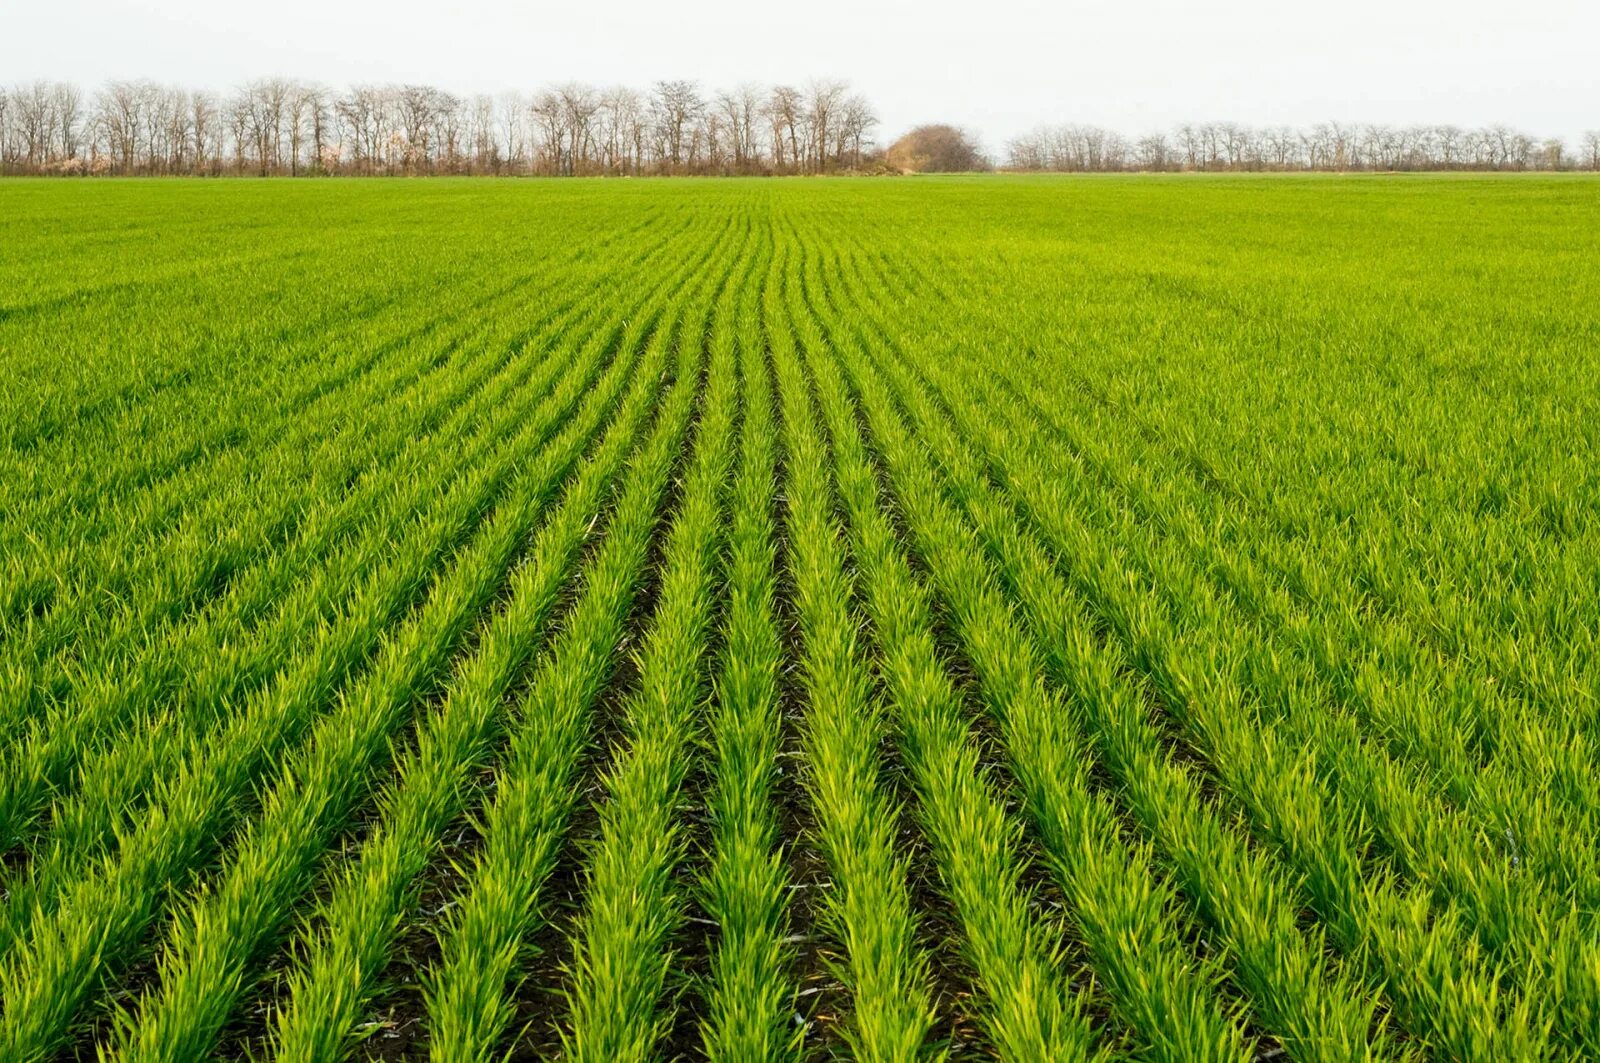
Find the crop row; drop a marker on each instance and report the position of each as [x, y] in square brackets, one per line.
[750, 622]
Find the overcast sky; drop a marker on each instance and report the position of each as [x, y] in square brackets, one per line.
[997, 66]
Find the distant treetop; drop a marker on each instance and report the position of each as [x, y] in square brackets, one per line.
[936, 149]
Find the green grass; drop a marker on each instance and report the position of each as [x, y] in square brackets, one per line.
[1044, 618]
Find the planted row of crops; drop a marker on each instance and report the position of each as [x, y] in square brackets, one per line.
[781, 621]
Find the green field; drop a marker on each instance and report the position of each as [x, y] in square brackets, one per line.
[1042, 619]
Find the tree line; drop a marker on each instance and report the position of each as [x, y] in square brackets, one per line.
[279, 126]
[1326, 146]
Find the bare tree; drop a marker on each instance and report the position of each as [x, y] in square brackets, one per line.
[169, 152]
[449, 132]
[513, 128]
[1190, 143]
[8, 159]
[205, 131]
[480, 135]
[67, 109]
[676, 106]
[297, 108]
[785, 110]
[264, 103]
[414, 116]
[1446, 145]
[550, 121]
[119, 118]
[857, 120]
[739, 112]
[1153, 152]
[823, 98]
[580, 105]
[623, 118]
[236, 116]
[317, 117]
[363, 112]
[1276, 146]
[35, 118]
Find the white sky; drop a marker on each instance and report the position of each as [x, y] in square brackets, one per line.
[998, 67]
